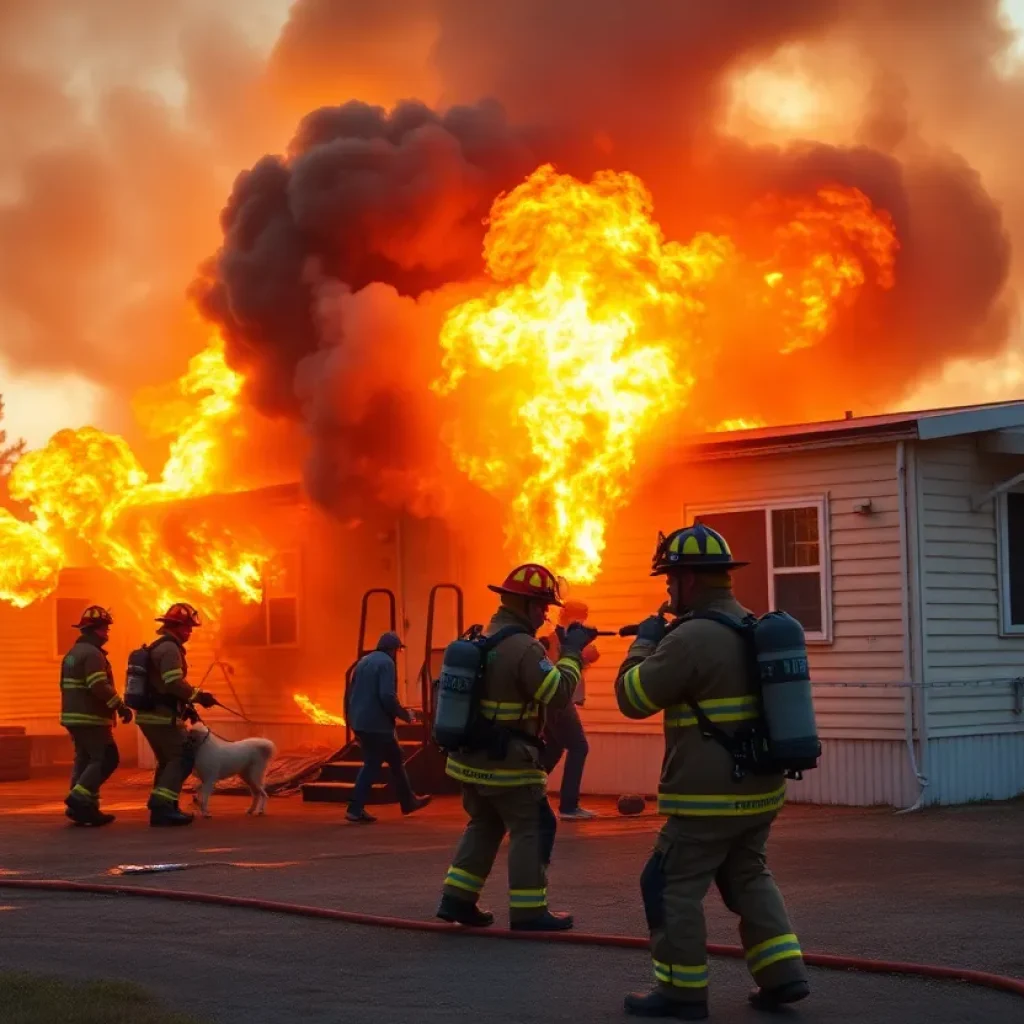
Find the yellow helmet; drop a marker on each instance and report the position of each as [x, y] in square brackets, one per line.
[692, 547]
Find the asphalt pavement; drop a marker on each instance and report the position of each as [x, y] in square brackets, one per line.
[944, 887]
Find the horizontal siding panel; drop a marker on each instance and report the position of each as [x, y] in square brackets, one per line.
[961, 590]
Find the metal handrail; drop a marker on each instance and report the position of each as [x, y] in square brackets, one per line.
[426, 683]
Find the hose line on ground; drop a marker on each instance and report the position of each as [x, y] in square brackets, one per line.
[829, 961]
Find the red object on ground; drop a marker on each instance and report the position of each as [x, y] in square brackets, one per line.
[1000, 982]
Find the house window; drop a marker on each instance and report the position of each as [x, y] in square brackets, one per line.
[1010, 508]
[786, 547]
[68, 612]
[274, 621]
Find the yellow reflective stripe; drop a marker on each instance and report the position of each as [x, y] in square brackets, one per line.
[82, 791]
[463, 880]
[681, 975]
[508, 711]
[782, 947]
[171, 674]
[720, 805]
[527, 899]
[80, 718]
[495, 776]
[154, 717]
[165, 794]
[722, 709]
[549, 687]
[635, 693]
[95, 677]
[73, 684]
[571, 666]
[114, 701]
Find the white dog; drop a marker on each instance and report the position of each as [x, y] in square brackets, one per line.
[218, 759]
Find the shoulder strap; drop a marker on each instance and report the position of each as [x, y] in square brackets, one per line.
[490, 642]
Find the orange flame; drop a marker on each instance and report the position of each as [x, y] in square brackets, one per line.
[313, 711]
[86, 488]
[583, 341]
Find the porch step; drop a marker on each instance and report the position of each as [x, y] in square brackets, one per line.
[341, 793]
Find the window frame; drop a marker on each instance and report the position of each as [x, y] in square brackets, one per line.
[241, 648]
[824, 568]
[1006, 626]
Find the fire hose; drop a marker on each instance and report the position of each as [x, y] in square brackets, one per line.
[985, 979]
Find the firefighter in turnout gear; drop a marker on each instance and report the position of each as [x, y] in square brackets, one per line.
[88, 703]
[717, 827]
[161, 724]
[504, 785]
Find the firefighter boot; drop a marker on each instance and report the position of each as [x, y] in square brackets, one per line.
[463, 912]
[773, 998]
[656, 1004]
[546, 922]
[164, 814]
[83, 810]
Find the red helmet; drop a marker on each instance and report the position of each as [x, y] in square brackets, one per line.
[531, 581]
[94, 617]
[180, 614]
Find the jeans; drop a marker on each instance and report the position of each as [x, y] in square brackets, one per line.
[380, 748]
[564, 734]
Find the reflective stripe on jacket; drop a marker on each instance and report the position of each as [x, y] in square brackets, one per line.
[87, 692]
[519, 681]
[703, 661]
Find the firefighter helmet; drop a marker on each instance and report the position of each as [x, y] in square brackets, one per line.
[530, 581]
[692, 547]
[94, 617]
[180, 614]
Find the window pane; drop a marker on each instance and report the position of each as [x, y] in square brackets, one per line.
[799, 594]
[1015, 555]
[744, 532]
[245, 625]
[283, 620]
[795, 537]
[281, 575]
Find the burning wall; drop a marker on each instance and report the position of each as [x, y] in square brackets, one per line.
[442, 312]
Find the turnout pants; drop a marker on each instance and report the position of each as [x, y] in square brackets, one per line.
[523, 812]
[175, 759]
[690, 854]
[96, 759]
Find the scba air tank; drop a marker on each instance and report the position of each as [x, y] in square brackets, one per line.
[786, 692]
[136, 687]
[456, 688]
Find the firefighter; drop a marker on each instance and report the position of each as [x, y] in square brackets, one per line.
[717, 828]
[503, 783]
[172, 697]
[88, 703]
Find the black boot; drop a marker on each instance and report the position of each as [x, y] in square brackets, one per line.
[547, 922]
[359, 817]
[463, 912]
[163, 814]
[772, 998]
[656, 1004]
[417, 805]
[83, 811]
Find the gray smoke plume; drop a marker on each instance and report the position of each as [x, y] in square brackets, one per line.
[367, 198]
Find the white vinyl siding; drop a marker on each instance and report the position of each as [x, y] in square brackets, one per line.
[961, 586]
[864, 554]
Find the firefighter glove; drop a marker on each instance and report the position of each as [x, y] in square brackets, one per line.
[190, 714]
[124, 713]
[652, 630]
[205, 700]
[574, 639]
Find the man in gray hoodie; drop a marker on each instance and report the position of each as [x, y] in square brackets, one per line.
[372, 708]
